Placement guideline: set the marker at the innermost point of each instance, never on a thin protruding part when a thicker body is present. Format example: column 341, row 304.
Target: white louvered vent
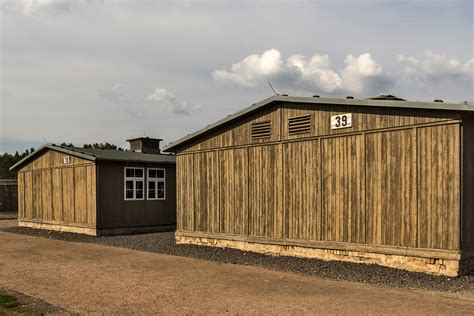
column 261, row 129
column 299, row 124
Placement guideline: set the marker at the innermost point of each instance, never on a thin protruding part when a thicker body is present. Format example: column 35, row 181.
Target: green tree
column 103, row 146
column 7, row 160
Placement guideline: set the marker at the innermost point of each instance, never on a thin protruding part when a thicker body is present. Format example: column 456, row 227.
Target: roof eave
column 136, row 161
column 51, row 147
column 448, row 106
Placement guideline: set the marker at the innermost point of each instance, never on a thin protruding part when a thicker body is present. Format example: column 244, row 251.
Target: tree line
column 7, row 160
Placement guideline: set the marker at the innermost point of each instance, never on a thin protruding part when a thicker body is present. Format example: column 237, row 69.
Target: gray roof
column 143, row 137
column 374, row 102
column 101, row 155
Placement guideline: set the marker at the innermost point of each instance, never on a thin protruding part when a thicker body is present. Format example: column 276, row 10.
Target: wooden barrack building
column 379, row 180
column 96, row 191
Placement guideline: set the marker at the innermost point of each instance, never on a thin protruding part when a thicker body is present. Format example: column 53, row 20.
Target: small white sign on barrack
column 67, row 160
column 341, row 121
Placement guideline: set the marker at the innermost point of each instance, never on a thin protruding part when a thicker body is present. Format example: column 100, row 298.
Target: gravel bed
column 164, row 242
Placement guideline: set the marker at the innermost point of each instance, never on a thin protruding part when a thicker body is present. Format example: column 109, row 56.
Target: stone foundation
column 60, row 228
column 437, row 266
column 91, row 231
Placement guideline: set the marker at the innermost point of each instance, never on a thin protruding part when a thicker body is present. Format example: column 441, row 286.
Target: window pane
column 151, row 194
column 129, row 194
column 129, row 185
column 161, row 185
column 161, row 194
column 129, row 173
column 152, row 173
column 139, row 185
column 151, row 185
column 139, row 194
column 138, row 173
column 161, row 173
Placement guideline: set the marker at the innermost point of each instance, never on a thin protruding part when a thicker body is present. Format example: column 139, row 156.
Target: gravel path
column 164, row 242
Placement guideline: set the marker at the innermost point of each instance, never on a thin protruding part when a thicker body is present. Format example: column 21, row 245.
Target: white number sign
column 341, row 121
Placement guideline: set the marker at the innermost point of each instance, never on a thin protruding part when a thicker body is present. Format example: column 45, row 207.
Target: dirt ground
column 90, row 278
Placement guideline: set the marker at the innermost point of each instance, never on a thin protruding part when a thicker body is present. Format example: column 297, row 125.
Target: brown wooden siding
column 343, row 189
column 57, row 193
column 363, row 118
column 391, row 188
column 468, row 185
column 115, row 212
column 233, row 186
column 264, row 174
column 240, row 133
column 46, row 197
column 21, row 195
column 185, row 192
column 439, row 187
column 302, row 184
column 392, row 185
column 52, row 192
column 206, row 192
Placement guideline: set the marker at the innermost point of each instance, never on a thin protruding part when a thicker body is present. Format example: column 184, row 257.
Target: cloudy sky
column 104, row 71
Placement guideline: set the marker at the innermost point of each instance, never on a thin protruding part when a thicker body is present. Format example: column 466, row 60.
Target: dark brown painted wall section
column 115, row 212
column 8, row 196
column 468, row 183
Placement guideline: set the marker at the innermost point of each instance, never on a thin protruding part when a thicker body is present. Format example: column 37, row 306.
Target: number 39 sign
column 341, row 121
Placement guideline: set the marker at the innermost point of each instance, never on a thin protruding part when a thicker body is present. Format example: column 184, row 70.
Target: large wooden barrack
column 395, row 188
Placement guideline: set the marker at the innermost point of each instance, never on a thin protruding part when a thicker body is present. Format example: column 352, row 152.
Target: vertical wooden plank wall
column 21, row 195
column 206, row 192
column 391, row 188
column 439, row 187
column 265, row 209
column 343, row 191
column 397, row 187
column 185, row 192
column 468, row 185
column 302, row 184
column 52, row 192
column 233, row 186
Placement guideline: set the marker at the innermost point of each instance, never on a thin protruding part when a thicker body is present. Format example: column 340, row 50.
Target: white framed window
column 156, row 184
column 134, row 183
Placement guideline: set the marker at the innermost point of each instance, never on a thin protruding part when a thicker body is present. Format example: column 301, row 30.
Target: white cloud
column 317, row 72
column 437, row 67
column 361, row 74
column 167, row 101
column 250, row 71
column 162, row 96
